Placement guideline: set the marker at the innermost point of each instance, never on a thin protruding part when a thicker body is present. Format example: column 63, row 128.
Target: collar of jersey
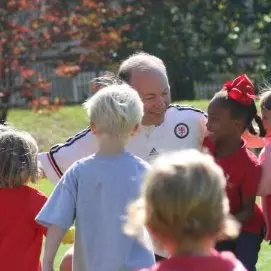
column 147, row 129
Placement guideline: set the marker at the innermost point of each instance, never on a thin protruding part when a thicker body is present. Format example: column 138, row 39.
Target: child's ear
column 135, row 130
column 93, row 127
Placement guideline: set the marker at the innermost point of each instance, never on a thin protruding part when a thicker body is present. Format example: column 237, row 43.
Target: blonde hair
column 18, row 156
column 183, row 198
column 141, row 62
column 115, row 109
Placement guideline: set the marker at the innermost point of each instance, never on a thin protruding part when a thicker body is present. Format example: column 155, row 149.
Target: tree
column 194, row 38
column 262, row 35
column 29, row 28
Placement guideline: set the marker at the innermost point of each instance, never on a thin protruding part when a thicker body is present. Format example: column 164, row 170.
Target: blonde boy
column 96, row 190
column 185, row 208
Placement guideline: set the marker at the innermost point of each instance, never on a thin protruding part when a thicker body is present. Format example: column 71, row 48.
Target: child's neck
column 201, row 248
column 228, row 146
column 111, row 146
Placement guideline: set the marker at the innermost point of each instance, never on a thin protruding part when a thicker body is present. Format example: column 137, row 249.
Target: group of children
column 200, row 208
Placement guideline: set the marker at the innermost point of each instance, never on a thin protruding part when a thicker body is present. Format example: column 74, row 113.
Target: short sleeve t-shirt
column 95, row 193
column 20, row 235
column 243, row 175
column 224, row 261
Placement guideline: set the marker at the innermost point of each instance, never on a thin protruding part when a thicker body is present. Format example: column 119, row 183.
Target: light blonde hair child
column 183, row 203
column 115, row 113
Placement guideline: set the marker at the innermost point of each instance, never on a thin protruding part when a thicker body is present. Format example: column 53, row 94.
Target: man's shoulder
column 184, row 114
column 73, row 140
column 177, row 109
column 183, row 119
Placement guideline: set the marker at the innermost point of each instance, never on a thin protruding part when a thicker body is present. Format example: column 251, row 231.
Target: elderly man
column 164, row 128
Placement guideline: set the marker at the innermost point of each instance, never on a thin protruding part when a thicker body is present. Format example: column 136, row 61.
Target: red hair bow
column 241, row 90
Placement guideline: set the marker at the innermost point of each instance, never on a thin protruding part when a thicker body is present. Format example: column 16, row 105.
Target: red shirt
column 20, row 236
column 224, row 261
column 243, row 174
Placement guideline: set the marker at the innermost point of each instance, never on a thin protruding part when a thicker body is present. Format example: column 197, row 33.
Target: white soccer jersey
column 184, row 127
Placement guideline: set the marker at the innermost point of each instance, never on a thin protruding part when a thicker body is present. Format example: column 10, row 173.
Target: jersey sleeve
column 190, row 124
column 60, row 207
column 61, row 156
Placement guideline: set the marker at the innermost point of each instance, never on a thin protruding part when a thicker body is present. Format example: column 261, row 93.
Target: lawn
column 56, row 128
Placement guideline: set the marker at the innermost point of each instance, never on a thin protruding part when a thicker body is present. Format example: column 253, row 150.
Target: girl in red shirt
column 20, row 236
column 185, row 208
column 230, row 113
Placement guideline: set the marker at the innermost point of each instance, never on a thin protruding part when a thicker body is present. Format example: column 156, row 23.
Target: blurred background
column 51, row 49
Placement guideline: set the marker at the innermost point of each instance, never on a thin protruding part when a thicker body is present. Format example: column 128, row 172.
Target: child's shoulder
column 224, row 261
column 139, row 161
column 34, row 192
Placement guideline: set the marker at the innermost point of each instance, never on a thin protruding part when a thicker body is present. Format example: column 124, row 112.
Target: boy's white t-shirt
column 95, row 193
column 184, row 127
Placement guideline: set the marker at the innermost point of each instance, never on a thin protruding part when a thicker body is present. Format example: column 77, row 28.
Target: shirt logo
column 153, row 152
column 181, row 130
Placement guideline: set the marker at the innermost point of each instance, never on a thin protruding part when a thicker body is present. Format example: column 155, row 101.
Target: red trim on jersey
column 59, row 174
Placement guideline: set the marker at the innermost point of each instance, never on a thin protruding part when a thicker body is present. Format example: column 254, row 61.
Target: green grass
column 56, row 128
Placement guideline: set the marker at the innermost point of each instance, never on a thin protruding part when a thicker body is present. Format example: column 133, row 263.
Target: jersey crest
column 181, row 130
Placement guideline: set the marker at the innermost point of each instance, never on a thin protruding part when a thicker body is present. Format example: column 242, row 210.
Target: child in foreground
column 186, row 210
column 20, row 236
column 95, row 191
column 230, row 113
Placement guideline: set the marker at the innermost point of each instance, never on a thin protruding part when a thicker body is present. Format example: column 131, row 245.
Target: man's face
column 154, row 91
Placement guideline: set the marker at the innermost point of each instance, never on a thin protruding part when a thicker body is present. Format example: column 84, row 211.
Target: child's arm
column 54, row 236
column 248, row 190
column 60, row 209
column 247, row 209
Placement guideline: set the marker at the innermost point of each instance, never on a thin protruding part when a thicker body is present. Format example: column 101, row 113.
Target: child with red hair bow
column 230, row 113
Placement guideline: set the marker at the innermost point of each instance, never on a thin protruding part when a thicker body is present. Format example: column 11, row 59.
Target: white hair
column 115, row 109
column 142, row 62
